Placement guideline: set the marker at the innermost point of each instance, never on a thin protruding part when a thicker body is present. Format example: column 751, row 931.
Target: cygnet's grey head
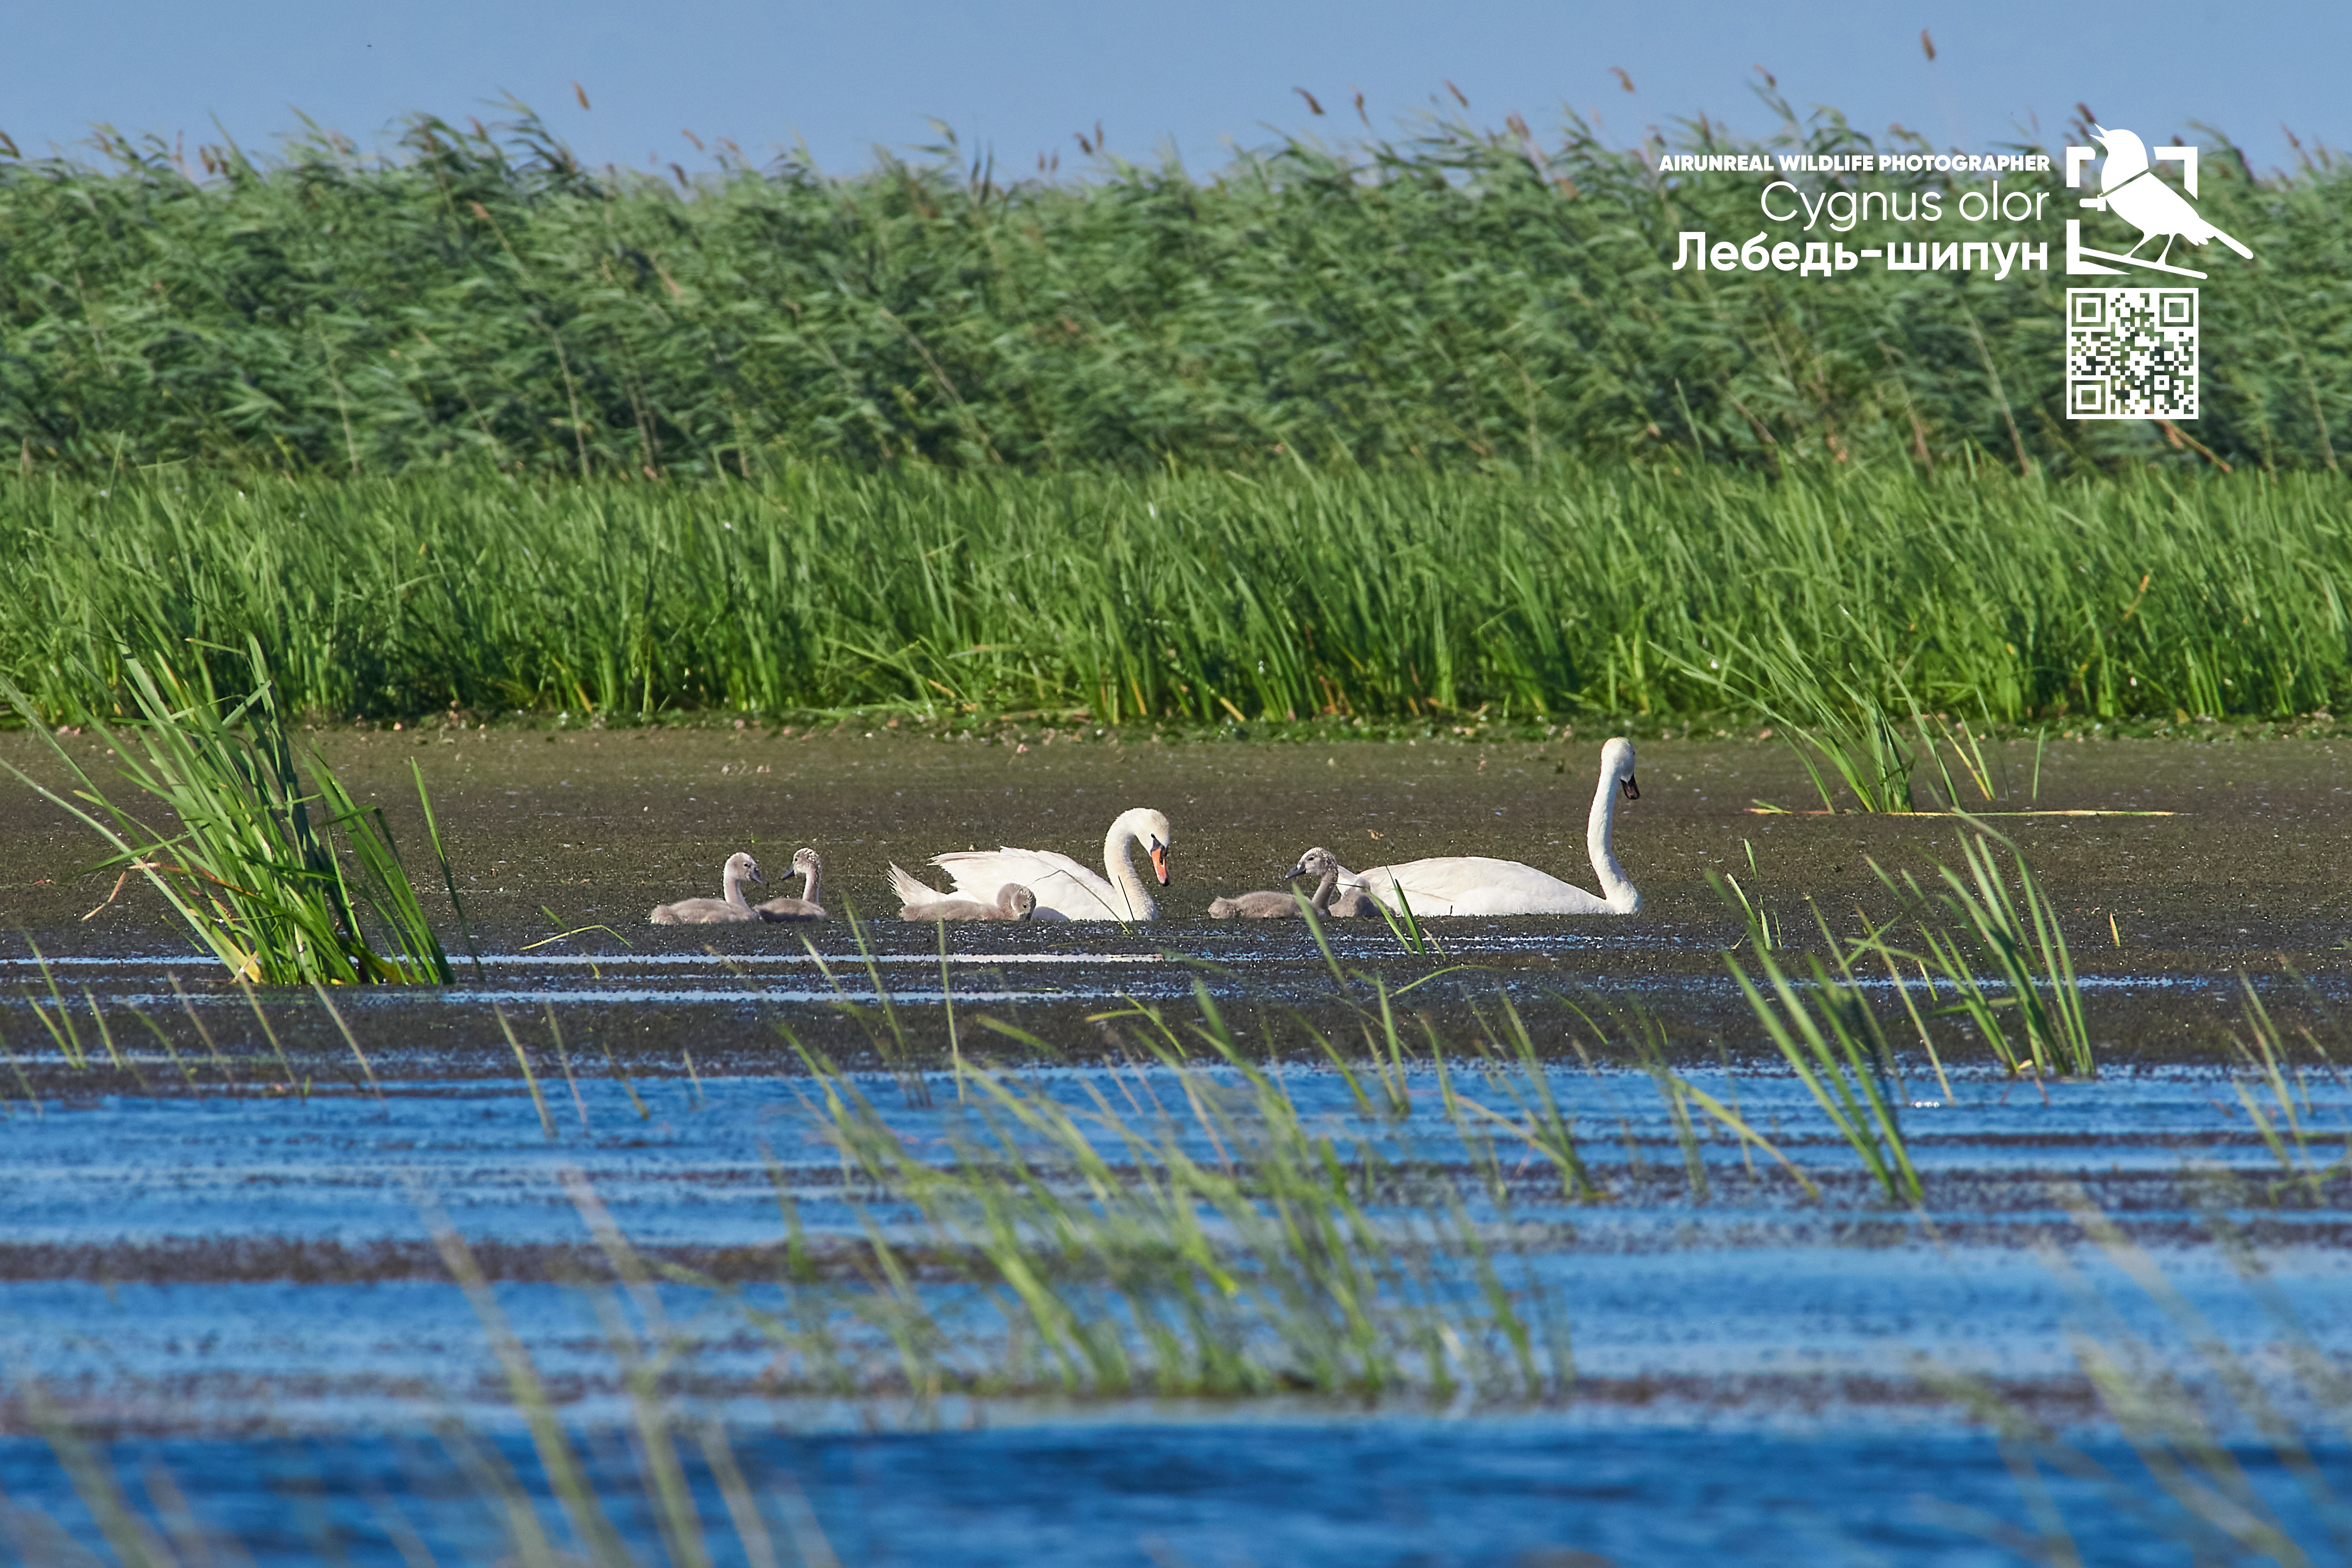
column 1018, row 899
column 743, row 868
column 807, row 860
column 1316, row 862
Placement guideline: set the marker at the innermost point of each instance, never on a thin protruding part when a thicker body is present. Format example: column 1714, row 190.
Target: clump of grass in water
column 1830, row 1041
column 2016, row 937
column 254, row 869
column 1821, row 712
column 2176, row 1411
column 2285, row 1130
column 1214, row 1244
column 1831, row 1037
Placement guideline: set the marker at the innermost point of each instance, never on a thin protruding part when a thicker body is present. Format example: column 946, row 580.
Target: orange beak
column 1160, row 863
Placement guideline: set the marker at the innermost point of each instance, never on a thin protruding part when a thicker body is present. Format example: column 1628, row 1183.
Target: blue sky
column 1021, row 76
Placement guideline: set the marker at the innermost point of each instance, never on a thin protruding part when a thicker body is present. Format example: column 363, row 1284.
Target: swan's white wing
column 1063, row 888
column 909, row 890
column 1476, row 885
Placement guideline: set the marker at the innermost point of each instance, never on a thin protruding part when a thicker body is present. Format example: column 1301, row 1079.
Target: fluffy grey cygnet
column 739, row 868
column 810, row 865
column 1014, row 903
column 1338, row 903
column 1318, row 863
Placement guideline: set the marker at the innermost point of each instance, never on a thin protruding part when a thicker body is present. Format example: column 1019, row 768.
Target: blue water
column 1763, row 1322
column 1210, row 1494
column 697, row 1165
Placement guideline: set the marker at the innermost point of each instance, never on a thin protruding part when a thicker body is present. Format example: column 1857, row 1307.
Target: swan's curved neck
column 1322, row 902
column 1116, row 843
column 735, row 898
column 1600, row 842
column 810, row 880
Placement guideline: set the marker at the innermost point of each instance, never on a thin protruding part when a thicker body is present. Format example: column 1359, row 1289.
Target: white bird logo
column 2129, row 189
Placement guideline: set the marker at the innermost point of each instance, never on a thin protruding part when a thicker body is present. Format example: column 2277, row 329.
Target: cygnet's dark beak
column 1160, row 863
column 1633, row 790
column 1295, row 872
column 757, row 878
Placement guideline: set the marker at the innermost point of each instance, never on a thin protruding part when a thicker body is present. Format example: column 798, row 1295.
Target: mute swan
column 1275, row 906
column 1014, row 903
column 810, row 865
column 1065, row 890
column 739, row 869
column 1477, row 885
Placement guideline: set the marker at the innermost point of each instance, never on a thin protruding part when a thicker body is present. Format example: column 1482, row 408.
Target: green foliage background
column 1413, row 593
column 1458, row 296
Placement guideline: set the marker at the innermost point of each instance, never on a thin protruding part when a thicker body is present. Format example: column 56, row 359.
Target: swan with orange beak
column 1065, row 889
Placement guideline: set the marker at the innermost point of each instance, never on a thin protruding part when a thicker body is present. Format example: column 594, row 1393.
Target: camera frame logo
column 2132, row 353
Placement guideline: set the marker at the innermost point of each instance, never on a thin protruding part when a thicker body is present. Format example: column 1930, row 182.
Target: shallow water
column 738, row 1002
column 1534, row 1493
column 223, row 1257
column 262, row 1259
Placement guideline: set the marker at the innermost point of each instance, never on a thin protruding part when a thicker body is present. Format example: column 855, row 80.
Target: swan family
column 1009, row 884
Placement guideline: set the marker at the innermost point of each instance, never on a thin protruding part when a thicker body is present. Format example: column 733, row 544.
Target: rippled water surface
column 218, row 1258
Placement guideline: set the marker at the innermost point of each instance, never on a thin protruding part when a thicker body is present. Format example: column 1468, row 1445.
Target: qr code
column 2131, row 354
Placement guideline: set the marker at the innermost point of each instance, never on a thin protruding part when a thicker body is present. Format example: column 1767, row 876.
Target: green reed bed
column 1462, row 291
column 1405, row 595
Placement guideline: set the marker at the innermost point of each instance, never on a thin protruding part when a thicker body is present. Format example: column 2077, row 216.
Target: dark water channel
column 220, row 1264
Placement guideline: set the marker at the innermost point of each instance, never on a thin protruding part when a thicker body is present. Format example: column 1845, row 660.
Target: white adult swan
column 1065, row 891
column 810, row 865
column 739, row 868
column 1477, row 885
column 1014, row 903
